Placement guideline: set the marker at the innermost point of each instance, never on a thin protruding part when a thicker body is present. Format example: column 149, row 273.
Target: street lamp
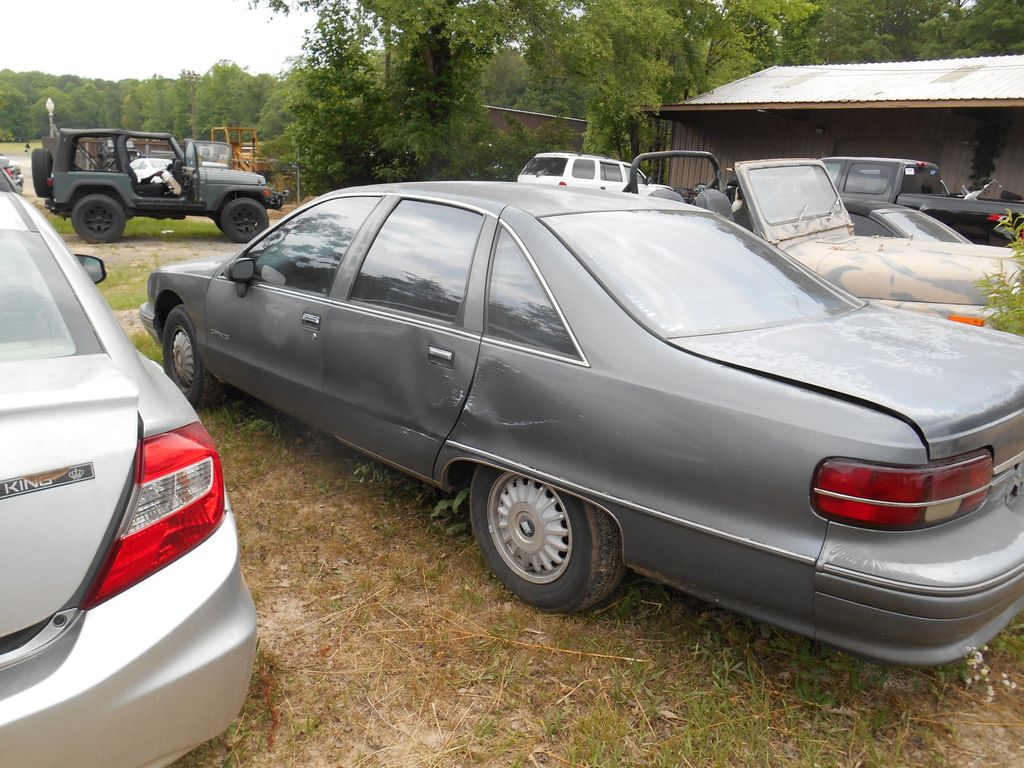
column 49, row 111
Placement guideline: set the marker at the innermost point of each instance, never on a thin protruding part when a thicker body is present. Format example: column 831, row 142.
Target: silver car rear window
column 684, row 273
column 39, row 315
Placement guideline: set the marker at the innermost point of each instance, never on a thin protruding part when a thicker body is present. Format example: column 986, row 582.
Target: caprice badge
column 41, row 481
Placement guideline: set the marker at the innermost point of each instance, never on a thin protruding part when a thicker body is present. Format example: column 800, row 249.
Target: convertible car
column 628, row 381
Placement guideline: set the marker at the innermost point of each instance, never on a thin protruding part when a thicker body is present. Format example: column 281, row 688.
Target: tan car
column 793, row 204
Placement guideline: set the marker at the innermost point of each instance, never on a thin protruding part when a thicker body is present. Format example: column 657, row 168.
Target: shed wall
column 940, row 135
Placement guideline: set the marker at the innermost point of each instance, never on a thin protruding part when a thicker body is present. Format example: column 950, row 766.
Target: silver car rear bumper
column 142, row 678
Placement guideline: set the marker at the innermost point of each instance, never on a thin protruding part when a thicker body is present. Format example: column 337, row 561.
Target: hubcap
column 245, row 221
column 98, row 219
column 530, row 528
column 182, row 359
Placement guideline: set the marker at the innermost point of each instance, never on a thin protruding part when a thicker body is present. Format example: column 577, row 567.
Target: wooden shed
column 941, row 111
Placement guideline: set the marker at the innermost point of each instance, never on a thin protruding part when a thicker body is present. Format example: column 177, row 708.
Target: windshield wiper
column 802, row 212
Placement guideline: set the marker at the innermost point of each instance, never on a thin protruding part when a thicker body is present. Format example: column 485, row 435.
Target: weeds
column 1005, row 288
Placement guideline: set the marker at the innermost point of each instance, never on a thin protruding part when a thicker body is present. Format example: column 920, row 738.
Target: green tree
column 14, row 112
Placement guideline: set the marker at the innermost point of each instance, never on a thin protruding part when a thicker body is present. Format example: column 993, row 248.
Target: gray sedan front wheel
column 182, row 362
column 550, row 549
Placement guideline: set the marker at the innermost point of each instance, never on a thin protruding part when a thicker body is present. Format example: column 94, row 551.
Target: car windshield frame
column 771, row 191
column 603, row 247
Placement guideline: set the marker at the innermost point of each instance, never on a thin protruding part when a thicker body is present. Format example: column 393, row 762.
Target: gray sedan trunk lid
column 962, row 387
column 69, row 429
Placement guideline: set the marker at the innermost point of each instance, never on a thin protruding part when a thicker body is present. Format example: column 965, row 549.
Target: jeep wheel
column 42, row 167
column 242, row 219
column 98, row 219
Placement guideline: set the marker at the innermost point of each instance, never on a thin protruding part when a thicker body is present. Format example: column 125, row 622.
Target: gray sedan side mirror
column 94, row 267
column 240, row 272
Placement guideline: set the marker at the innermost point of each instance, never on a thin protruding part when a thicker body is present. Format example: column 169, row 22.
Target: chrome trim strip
column 547, row 290
column 59, row 623
column 731, row 537
column 263, row 286
column 903, row 504
column 921, row 589
column 1009, row 463
column 532, row 351
column 374, row 312
column 443, row 201
column 382, row 460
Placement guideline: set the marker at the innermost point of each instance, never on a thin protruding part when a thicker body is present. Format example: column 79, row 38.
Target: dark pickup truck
column 917, row 184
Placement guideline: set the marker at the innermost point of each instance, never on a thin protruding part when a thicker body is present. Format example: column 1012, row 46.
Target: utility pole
column 192, row 78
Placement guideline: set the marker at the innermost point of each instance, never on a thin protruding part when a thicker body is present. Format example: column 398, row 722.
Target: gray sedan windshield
column 787, row 193
column 685, row 274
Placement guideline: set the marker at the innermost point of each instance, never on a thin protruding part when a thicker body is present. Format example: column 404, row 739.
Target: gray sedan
column 127, row 634
column 633, row 382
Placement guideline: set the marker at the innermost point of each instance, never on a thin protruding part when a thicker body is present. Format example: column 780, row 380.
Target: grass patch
column 16, row 147
column 147, row 345
column 125, row 286
column 165, row 229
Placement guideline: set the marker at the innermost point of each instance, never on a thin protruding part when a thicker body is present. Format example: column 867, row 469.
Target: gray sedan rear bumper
column 142, row 678
column 921, row 628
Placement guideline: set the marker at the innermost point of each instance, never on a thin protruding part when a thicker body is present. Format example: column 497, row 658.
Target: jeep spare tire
column 42, row 167
column 242, row 219
column 98, row 219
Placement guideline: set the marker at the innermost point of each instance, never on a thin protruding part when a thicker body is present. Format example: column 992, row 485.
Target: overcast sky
column 114, row 40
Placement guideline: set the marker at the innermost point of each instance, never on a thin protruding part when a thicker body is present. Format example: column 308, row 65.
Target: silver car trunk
column 962, row 387
column 69, row 429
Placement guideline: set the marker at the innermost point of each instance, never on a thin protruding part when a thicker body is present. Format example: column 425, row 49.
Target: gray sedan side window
column 419, row 261
column 518, row 308
column 305, row 253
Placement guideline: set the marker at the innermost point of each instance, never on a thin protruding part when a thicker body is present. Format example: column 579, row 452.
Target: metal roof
column 981, row 81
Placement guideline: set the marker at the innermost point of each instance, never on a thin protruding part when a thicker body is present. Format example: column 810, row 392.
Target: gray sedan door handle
column 440, row 356
column 311, row 321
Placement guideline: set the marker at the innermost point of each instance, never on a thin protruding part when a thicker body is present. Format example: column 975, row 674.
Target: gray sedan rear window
column 683, row 273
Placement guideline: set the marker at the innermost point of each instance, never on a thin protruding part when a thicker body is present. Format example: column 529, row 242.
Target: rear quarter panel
column 706, row 468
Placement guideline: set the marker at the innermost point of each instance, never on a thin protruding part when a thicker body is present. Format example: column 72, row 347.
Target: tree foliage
column 387, row 89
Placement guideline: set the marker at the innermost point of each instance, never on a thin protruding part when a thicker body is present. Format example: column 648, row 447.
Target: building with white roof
column 938, row 111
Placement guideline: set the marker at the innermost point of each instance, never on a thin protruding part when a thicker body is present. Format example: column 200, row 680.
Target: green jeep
column 100, row 178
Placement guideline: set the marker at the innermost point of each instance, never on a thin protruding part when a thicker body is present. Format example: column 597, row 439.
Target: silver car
column 127, row 633
column 632, row 382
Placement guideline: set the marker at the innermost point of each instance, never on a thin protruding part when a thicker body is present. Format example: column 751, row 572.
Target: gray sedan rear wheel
column 550, row 549
column 182, row 362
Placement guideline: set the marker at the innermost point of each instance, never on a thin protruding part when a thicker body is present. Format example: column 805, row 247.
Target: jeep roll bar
column 692, row 153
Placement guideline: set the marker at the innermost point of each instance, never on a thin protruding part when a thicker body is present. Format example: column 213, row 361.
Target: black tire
column 590, row 550
column 182, row 362
column 242, row 219
column 98, row 219
column 42, row 167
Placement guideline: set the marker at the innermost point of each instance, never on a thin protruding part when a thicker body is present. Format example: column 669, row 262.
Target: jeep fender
column 223, row 195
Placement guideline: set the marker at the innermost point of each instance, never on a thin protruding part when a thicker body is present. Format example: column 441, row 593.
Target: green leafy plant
column 450, row 514
column 1005, row 288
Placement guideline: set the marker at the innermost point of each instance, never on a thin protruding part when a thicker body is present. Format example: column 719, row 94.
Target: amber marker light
column 975, row 321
